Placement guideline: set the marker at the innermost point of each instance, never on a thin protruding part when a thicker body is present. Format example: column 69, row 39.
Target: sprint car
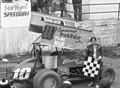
column 50, row 69
column 61, row 65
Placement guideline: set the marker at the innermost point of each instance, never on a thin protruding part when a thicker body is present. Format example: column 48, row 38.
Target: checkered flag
column 91, row 67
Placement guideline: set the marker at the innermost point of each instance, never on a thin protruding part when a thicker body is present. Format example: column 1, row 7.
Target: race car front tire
column 46, row 78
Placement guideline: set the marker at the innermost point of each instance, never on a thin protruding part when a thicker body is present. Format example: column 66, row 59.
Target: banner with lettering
column 65, row 37
column 15, row 14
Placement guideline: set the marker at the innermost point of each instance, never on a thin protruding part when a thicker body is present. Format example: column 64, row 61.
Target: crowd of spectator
column 53, row 6
column 56, row 7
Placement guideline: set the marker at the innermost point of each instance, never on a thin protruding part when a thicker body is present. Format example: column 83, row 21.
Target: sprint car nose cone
column 3, row 82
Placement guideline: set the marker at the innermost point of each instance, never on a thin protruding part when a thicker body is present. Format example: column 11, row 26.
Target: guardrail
column 100, row 4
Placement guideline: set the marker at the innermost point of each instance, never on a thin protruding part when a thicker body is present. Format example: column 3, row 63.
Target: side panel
column 72, row 59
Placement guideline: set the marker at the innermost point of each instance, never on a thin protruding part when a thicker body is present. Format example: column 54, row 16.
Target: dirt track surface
column 115, row 63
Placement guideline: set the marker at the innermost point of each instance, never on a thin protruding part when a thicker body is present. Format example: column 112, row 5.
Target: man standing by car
column 94, row 50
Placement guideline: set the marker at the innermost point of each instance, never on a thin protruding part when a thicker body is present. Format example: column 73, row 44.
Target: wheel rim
column 109, row 76
column 49, row 83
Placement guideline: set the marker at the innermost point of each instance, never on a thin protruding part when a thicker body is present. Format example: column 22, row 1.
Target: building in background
column 108, row 8
column 90, row 9
column 15, row 37
column 97, row 9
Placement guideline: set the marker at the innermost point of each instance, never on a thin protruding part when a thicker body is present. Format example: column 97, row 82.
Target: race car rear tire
column 46, row 78
column 104, row 83
column 107, row 77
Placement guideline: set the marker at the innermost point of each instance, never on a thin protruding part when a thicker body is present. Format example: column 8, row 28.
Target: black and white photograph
column 59, row 43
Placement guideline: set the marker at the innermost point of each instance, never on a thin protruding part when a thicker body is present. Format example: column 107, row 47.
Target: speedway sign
column 15, row 14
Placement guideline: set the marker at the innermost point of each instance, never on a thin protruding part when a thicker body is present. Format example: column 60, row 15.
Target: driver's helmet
column 93, row 39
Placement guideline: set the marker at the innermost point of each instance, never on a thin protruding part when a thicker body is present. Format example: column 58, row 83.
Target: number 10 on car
column 22, row 73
